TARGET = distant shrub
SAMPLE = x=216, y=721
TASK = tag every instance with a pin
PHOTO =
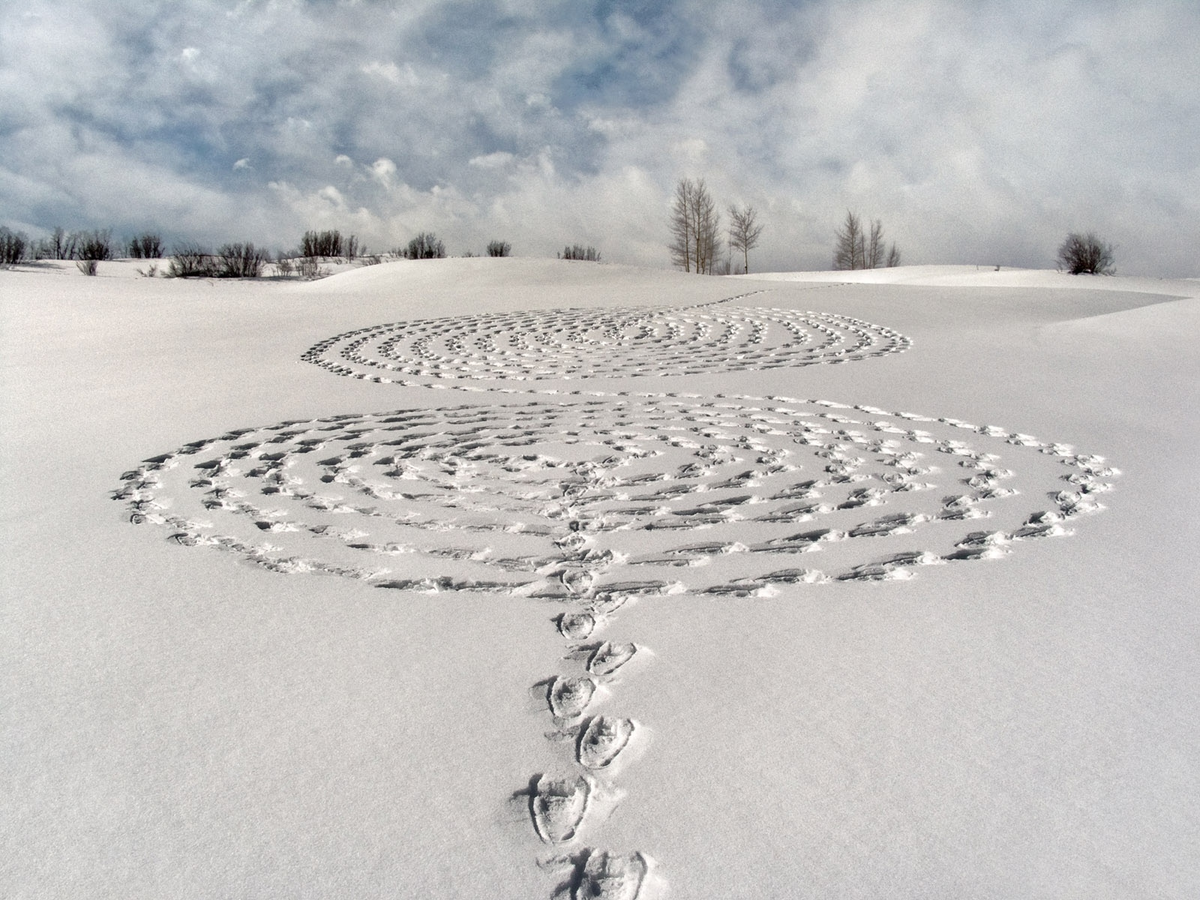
x=499, y=248
x=321, y=244
x=191, y=261
x=1086, y=254
x=284, y=266
x=310, y=268
x=373, y=260
x=578, y=251
x=12, y=247
x=95, y=245
x=88, y=266
x=145, y=246
x=241, y=261
x=425, y=245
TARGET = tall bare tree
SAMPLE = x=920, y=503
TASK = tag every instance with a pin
x=695, y=227
x=859, y=249
x=681, y=224
x=744, y=232
x=849, y=250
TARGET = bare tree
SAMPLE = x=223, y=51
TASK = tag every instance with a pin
x=849, y=250
x=145, y=246
x=744, y=232
x=858, y=249
x=12, y=247
x=1086, y=254
x=681, y=225
x=321, y=244
x=695, y=227
x=425, y=245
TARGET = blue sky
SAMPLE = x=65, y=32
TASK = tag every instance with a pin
x=978, y=132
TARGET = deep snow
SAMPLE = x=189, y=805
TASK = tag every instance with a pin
x=179, y=721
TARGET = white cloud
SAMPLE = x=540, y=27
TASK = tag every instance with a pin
x=497, y=160
x=391, y=72
x=976, y=134
x=383, y=170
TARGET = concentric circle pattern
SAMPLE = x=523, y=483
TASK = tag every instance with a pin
x=612, y=496
x=609, y=343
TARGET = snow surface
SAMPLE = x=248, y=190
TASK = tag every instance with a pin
x=450, y=577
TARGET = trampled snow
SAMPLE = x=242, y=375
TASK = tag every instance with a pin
x=509, y=577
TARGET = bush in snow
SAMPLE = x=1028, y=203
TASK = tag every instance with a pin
x=241, y=261
x=191, y=261
x=499, y=248
x=95, y=246
x=425, y=245
x=1086, y=254
x=578, y=251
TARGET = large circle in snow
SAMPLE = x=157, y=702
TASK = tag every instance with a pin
x=609, y=496
x=606, y=343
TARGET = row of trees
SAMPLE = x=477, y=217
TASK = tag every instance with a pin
x=696, y=246
x=858, y=247
x=696, y=242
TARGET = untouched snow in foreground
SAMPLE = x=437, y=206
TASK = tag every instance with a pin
x=513, y=578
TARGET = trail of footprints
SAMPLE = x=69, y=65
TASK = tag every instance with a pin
x=609, y=343
x=595, y=501
x=592, y=501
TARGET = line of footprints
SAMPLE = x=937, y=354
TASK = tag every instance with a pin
x=560, y=803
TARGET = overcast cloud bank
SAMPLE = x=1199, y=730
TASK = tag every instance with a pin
x=977, y=136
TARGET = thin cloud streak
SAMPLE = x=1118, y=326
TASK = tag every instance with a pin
x=978, y=135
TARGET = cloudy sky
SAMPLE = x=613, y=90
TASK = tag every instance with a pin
x=978, y=131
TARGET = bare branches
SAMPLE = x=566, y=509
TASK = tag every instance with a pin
x=578, y=251
x=848, y=251
x=744, y=232
x=425, y=245
x=859, y=249
x=695, y=227
x=1086, y=254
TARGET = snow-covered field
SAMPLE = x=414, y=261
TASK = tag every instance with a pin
x=517, y=578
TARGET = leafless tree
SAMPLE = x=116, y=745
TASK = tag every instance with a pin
x=744, y=232
x=578, y=251
x=12, y=247
x=321, y=244
x=145, y=246
x=499, y=248
x=425, y=245
x=695, y=227
x=859, y=249
x=1086, y=254
x=848, y=251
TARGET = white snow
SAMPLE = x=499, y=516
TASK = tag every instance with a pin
x=321, y=665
